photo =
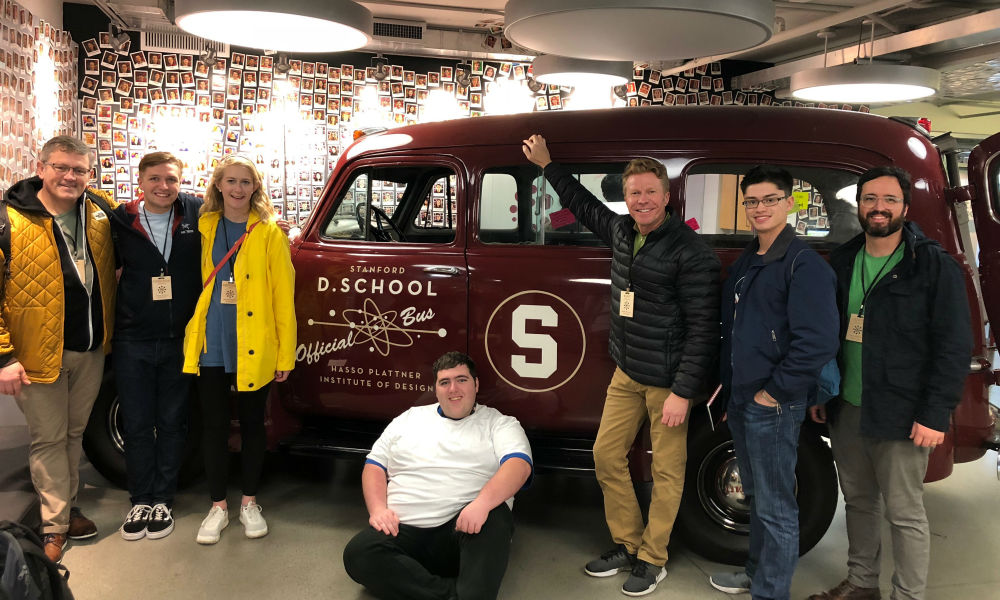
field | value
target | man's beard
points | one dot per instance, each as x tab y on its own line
894	224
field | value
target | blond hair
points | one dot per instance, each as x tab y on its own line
638	166
258	200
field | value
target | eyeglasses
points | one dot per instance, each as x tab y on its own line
63	169
766	201
890	201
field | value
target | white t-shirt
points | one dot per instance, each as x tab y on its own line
437	465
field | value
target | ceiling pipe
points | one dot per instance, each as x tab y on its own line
811	7
112	14
807	29
965	27
442	7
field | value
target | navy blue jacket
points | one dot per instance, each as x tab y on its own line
784	327
138	317
917	339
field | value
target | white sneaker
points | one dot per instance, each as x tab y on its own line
211	528
254	525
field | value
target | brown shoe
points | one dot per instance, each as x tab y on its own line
80	527
54	544
846	590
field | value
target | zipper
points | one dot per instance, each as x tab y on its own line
72	254
86	254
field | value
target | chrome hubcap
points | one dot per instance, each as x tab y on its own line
720	489
115	426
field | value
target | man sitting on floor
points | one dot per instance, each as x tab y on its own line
439	486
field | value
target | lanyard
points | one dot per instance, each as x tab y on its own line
166	233
861	309
76	232
232	251
74	251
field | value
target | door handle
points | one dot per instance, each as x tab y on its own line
442	270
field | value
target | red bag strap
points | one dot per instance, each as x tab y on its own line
232	251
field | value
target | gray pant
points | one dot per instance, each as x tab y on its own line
872	471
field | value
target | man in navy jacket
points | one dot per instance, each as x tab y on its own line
779	327
160	251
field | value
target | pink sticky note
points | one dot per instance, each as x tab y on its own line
561	218
692	223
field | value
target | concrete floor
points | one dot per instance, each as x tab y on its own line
314	508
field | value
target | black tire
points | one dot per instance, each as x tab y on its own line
713	523
104	443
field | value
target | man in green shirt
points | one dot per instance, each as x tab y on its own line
905	351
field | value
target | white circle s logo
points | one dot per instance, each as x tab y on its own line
546	343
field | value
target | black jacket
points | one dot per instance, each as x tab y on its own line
138	317
784	328
673	339
917	338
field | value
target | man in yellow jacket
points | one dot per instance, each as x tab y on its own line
56	322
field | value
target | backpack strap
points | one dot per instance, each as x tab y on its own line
791	269
4	245
29	544
99	200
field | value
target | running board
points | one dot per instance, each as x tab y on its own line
562	454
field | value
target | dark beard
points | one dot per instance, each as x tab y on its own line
894	224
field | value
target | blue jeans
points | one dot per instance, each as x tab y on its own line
766	440
153	394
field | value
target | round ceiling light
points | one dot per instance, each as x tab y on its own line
576	72
870	83
290	25
638	29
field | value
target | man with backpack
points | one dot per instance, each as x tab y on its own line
779	327
58	314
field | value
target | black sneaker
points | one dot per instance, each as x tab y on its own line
161	523
134	527
643	579
611	562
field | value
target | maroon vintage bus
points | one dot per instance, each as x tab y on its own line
442	236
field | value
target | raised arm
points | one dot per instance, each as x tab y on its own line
536	150
594	214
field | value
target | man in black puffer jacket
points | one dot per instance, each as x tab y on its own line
665	341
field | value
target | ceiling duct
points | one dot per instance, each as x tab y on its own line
174	41
399	31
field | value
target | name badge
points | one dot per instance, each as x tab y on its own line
81	269
627	305
161	288
229	292
855	328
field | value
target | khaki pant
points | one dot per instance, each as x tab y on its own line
57	414
627	406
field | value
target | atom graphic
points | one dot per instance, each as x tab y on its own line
372	326
379	328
